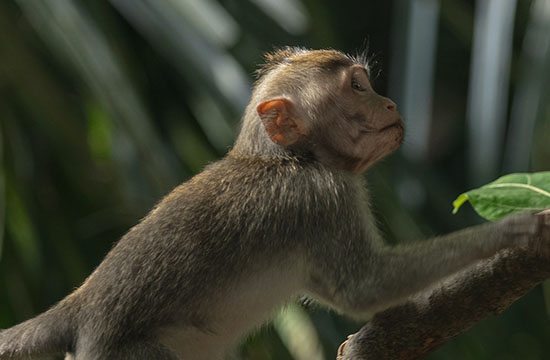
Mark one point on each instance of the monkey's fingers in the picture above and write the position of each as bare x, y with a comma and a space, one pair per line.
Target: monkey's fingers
545, 215
544, 238
340, 352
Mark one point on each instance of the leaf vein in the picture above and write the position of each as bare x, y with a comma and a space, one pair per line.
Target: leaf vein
524, 186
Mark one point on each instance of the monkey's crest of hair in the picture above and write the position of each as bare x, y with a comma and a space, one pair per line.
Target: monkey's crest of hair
325, 59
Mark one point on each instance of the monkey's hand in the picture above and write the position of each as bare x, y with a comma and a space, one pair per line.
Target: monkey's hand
529, 231
540, 244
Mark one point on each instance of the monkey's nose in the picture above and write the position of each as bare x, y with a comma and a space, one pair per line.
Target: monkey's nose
387, 103
390, 105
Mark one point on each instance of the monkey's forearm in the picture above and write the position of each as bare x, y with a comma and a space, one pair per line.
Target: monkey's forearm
391, 274
416, 266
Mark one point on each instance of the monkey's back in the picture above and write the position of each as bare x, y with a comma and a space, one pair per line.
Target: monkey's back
201, 240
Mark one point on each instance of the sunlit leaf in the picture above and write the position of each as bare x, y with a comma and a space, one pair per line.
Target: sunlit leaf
70, 29
202, 62
298, 333
509, 194
99, 132
290, 14
22, 231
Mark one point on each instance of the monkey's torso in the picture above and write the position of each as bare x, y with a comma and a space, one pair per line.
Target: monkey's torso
244, 236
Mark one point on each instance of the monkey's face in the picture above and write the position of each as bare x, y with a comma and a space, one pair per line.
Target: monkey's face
332, 112
359, 126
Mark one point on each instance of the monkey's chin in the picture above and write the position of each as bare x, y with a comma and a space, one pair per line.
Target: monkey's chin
393, 136
397, 132
364, 164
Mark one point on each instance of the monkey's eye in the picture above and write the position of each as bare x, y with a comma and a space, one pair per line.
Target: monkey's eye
357, 86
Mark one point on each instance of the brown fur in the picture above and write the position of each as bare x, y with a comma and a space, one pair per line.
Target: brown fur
263, 225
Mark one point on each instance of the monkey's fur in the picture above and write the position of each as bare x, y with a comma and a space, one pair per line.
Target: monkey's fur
285, 213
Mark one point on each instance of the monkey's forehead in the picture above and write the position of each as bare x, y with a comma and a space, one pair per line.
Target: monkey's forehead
326, 59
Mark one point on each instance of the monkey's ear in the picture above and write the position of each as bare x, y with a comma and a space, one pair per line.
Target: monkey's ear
281, 123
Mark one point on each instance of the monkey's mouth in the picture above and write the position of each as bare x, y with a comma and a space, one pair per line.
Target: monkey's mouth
396, 124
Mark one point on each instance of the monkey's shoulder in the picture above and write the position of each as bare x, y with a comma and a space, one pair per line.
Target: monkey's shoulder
248, 196
278, 180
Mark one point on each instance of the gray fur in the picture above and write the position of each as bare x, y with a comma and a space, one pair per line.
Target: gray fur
263, 225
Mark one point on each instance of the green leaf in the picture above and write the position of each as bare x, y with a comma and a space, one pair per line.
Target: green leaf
509, 194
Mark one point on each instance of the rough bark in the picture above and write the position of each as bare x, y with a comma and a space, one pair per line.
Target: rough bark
418, 327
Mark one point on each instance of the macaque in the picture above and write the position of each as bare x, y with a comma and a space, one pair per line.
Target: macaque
284, 214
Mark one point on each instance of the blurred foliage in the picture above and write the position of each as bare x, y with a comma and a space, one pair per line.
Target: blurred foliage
106, 105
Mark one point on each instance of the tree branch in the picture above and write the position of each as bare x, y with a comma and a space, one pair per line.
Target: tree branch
418, 327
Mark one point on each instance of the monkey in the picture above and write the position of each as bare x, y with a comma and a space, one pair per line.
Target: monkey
285, 214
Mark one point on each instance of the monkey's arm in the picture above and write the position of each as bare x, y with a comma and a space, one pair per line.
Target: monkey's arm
422, 324
388, 275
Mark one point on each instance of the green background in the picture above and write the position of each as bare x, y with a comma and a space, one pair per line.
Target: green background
105, 106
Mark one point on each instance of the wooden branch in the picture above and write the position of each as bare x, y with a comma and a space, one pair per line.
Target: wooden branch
418, 327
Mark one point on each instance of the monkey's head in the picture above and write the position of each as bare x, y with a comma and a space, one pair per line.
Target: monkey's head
320, 102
